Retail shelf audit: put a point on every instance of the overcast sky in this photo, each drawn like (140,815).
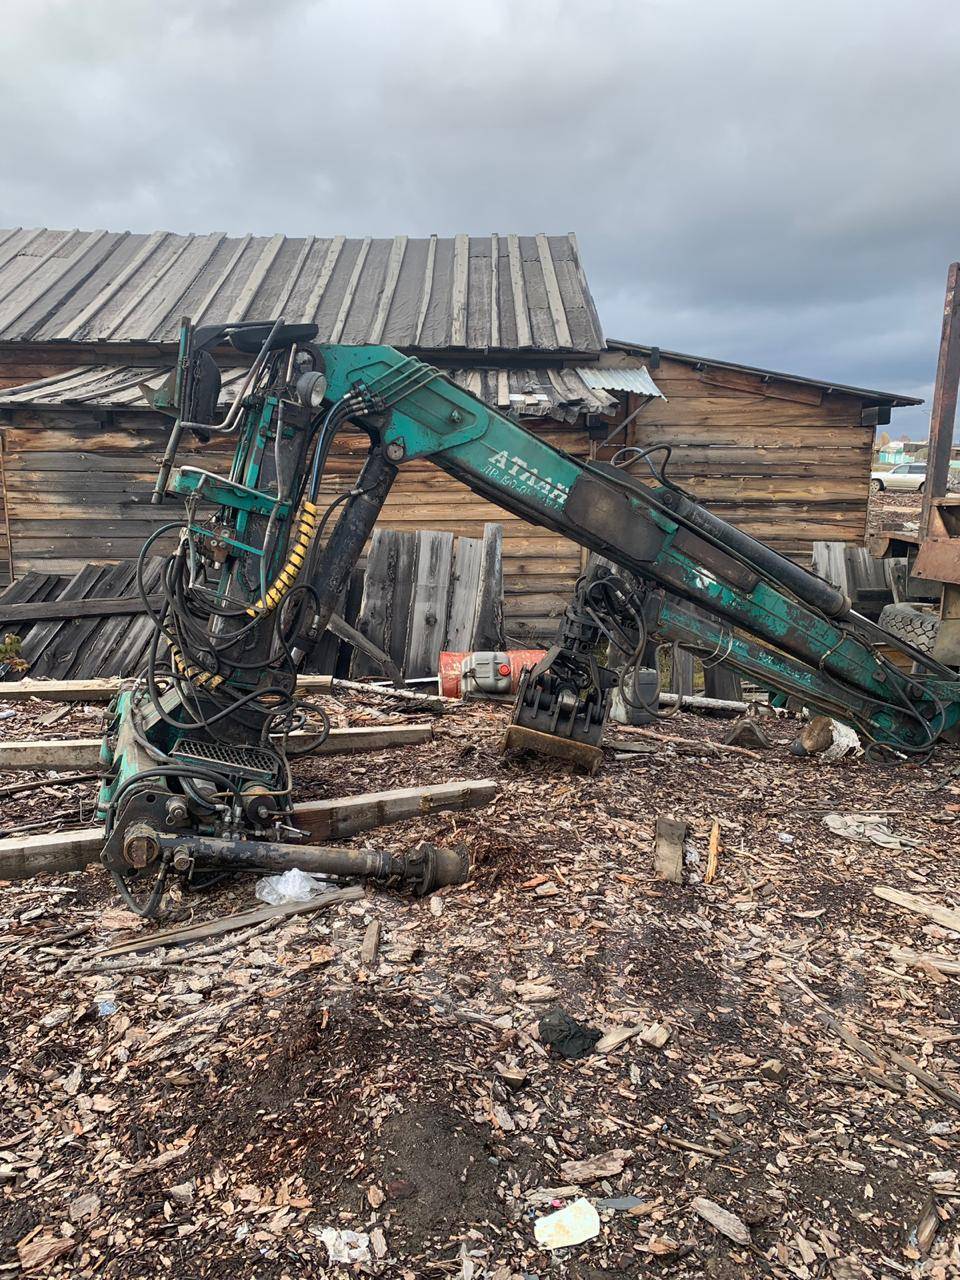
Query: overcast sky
(769,181)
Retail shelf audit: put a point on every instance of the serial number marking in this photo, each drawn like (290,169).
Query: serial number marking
(516,473)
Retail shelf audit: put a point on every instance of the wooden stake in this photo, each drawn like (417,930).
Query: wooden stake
(668,848)
(713,853)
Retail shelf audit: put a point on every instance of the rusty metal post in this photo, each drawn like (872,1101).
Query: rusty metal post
(944,410)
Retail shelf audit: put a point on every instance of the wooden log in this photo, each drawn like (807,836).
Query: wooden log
(695,702)
(24,856)
(84,753)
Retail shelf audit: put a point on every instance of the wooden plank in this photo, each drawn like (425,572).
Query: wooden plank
(323,277)
(341,320)
(199,309)
(464,585)
(458,302)
(519,290)
(554,297)
(373,620)
(39,636)
(428,612)
(84,753)
(255,279)
(494,290)
(488,614)
(65,753)
(402,597)
(944,916)
(121,645)
(394,263)
(227,924)
(63,653)
(23,856)
(426,288)
(114,285)
(668,848)
(293,276)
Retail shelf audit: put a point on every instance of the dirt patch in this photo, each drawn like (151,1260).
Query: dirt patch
(355,1097)
(445,1167)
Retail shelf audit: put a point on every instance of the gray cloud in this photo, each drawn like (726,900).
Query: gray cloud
(768,182)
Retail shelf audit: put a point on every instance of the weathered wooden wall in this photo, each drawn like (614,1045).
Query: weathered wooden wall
(23,363)
(79,492)
(788,463)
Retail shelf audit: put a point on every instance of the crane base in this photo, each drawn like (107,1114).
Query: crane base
(582,755)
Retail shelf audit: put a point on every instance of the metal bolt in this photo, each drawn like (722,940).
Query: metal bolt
(395,450)
(182,859)
(176,813)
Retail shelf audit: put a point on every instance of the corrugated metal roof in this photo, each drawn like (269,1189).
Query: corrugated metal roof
(529,393)
(633,378)
(499,292)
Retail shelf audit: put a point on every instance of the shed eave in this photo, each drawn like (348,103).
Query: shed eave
(868,396)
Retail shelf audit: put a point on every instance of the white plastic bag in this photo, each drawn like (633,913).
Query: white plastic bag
(291,886)
(344,1246)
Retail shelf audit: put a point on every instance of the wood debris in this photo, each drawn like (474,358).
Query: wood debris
(776,1092)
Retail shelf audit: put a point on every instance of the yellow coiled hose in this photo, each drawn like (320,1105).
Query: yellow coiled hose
(193,672)
(306,529)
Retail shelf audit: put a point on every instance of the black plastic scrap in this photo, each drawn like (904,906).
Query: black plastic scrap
(566,1036)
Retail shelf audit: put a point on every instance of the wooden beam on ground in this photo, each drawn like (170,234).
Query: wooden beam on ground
(60,690)
(337,819)
(84,753)
(103,689)
(226,924)
(24,856)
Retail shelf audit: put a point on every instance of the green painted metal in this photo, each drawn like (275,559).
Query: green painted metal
(120,756)
(812,657)
(189,481)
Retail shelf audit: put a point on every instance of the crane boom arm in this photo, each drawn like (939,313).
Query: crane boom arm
(698,579)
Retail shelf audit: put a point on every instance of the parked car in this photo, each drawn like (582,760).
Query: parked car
(906,477)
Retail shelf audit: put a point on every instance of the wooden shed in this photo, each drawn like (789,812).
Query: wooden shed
(86,319)
(785,457)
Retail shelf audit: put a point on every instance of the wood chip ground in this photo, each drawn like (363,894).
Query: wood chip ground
(210,1111)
